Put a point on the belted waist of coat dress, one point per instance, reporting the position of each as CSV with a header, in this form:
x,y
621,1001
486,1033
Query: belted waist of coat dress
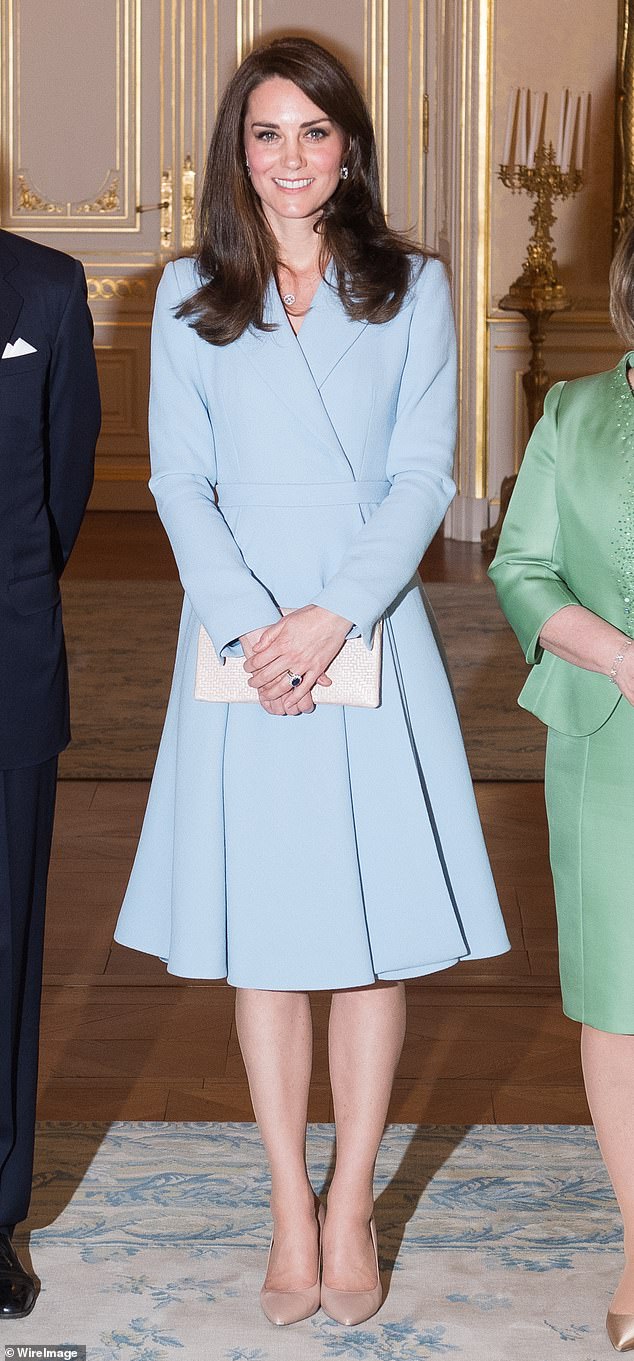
x,y
300,493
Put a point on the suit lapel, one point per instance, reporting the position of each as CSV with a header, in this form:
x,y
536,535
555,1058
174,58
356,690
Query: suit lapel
x,y
10,300
295,366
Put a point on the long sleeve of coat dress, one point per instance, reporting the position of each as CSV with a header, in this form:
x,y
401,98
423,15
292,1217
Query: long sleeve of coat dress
x,y
386,552
225,595
528,570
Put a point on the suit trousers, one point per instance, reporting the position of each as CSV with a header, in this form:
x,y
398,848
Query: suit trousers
x,y
27,806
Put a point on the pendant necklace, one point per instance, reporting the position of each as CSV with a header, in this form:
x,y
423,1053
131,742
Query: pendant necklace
x,y
290,298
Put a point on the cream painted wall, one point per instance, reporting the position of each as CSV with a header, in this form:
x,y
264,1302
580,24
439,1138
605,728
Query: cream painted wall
x,y
545,46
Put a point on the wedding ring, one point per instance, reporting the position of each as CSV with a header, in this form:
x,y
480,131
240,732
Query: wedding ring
x,y
294,678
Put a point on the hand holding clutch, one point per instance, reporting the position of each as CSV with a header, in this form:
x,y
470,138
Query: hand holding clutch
x,y
355,673
296,650
287,706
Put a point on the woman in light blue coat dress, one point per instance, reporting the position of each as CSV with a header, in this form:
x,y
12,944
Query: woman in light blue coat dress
x,y
304,366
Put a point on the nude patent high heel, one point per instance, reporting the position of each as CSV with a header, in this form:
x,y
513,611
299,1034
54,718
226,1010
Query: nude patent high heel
x,y
291,1306
620,1330
354,1306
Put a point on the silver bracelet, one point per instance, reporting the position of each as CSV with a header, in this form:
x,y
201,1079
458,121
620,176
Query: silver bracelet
x,y
620,656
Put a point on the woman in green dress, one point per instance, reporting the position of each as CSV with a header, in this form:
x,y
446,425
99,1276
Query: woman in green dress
x,y
564,574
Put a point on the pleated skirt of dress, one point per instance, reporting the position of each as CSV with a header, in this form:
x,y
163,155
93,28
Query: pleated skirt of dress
x,y
323,851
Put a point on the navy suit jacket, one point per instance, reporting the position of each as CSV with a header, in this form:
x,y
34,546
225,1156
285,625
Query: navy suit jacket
x,y
49,422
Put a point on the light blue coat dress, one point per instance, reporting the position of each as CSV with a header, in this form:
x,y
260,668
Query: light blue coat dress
x,y
344,845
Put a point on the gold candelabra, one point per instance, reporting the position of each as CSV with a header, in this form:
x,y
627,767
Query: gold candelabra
x,y
538,292
546,182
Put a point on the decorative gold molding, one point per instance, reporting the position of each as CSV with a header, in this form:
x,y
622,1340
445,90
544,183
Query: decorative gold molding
x,y
107,200
483,262
105,290
520,424
604,345
107,324
30,201
167,210
417,119
598,318
376,78
246,30
423,121
188,198
471,93
624,150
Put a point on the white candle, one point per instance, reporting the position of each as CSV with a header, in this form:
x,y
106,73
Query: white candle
x,y
560,133
584,103
569,127
537,107
510,120
521,139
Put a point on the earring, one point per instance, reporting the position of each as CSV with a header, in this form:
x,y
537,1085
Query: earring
x,y
248,169
344,172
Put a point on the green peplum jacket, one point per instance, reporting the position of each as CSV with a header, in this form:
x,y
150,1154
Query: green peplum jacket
x,y
568,539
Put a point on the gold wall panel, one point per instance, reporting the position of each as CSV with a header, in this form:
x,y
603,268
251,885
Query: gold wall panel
x,y
71,126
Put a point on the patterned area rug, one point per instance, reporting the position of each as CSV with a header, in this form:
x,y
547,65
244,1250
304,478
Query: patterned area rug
x,y
121,640
496,1242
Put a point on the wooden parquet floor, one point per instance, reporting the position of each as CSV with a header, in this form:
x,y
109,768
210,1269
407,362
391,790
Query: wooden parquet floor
x,y
487,1042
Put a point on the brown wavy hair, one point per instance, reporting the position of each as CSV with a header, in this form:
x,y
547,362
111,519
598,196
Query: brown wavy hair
x,y
622,288
237,251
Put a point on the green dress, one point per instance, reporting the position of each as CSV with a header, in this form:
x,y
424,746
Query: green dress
x,y
568,539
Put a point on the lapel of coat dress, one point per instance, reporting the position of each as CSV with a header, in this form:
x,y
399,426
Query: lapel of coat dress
x,y
328,332
10,300
294,367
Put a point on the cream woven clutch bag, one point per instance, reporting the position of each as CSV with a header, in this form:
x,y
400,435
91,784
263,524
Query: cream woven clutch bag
x,y
355,674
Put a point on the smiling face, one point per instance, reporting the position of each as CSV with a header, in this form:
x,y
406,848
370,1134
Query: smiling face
x,y
294,151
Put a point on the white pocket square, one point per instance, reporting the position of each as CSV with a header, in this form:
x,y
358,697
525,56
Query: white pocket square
x,y
19,347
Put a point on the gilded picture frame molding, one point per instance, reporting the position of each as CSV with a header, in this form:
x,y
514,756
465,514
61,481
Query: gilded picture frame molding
x,y
624,121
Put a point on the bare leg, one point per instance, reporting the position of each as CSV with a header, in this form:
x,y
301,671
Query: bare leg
x,y
366,1033
608,1068
276,1039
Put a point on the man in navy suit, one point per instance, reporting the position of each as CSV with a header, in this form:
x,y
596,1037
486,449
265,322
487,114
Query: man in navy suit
x,y
49,422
